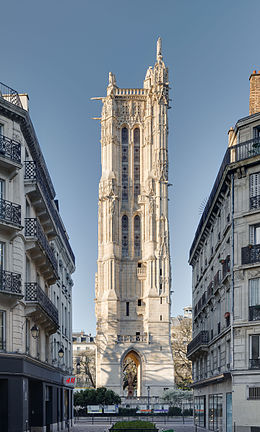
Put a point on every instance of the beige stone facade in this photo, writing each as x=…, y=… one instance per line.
x=36, y=263
x=133, y=277
x=225, y=259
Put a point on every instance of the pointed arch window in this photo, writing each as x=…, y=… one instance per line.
x=137, y=236
x=124, y=236
x=136, y=163
x=124, y=164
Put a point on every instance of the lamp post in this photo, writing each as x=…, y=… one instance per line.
x=35, y=331
x=148, y=396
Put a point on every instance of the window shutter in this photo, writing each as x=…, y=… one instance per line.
x=251, y=234
x=254, y=185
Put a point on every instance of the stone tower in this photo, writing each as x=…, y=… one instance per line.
x=133, y=279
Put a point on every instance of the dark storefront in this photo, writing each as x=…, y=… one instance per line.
x=32, y=395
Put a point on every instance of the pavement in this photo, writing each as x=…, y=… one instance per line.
x=100, y=425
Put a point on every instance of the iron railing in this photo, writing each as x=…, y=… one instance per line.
x=246, y=149
x=32, y=172
x=10, y=95
x=254, y=202
x=10, y=212
x=250, y=254
x=34, y=229
x=10, y=282
x=254, y=313
x=254, y=363
x=201, y=339
x=131, y=338
x=34, y=294
x=10, y=149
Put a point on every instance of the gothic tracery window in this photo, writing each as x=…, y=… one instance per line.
x=124, y=164
x=124, y=236
x=136, y=163
x=137, y=236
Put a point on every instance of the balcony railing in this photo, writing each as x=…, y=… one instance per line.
x=254, y=363
x=250, y=254
x=10, y=212
x=247, y=149
x=33, y=229
x=32, y=172
x=10, y=149
x=130, y=338
x=254, y=313
x=10, y=95
x=10, y=283
x=201, y=339
x=34, y=294
x=254, y=202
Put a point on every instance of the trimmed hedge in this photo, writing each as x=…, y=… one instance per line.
x=137, y=425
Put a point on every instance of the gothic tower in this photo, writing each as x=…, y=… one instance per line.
x=133, y=279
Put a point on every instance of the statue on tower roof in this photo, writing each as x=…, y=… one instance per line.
x=159, y=49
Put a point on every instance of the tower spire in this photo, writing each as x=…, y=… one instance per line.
x=159, y=49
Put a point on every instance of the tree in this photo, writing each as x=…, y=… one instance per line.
x=176, y=397
x=99, y=396
x=181, y=336
x=85, y=368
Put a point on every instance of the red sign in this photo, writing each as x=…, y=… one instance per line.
x=69, y=380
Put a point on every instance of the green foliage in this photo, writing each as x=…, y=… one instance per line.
x=135, y=424
x=174, y=411
x=177, y=396
x=99, y=396
x=127, y=411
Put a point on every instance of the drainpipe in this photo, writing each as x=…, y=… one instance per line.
x=232, y=273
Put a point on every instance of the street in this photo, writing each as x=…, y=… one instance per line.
x=104, y=424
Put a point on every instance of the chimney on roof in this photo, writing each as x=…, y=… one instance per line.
x=254, y=97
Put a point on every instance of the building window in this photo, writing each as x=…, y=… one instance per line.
x=139, y=302
x=254, y=361
x=2, y=330
x=127, y=309
x=124, y=236
x=200, y=411
x=215, y=412
x=137, y=235
x=254, y=190
x=2, y=255
x=254, y=299
x=254, y=393
x=254, y=234
x=2, y=189
x=136, y=163
x=160, y=300
x=124, y=164
x=160, y=317
x=27, y=336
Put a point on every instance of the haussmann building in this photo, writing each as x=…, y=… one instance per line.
x=225, y=260
x=36, y=263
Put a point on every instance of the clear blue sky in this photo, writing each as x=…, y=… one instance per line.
x=60, y=53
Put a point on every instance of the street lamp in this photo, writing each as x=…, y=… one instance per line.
x=61, y=353
x=148, y=394
x=35, y=331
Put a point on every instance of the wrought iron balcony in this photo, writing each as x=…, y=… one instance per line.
x=198, y=343
x=10, y=212
x=254, y=313
x=10, y=95
x=33, y=175
x=132, y=338
x=35, y=295
x=10, y=283
x=10, y=149
x=34, y=230
x=255, y=202
x=254, y=363
x=250, y=254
